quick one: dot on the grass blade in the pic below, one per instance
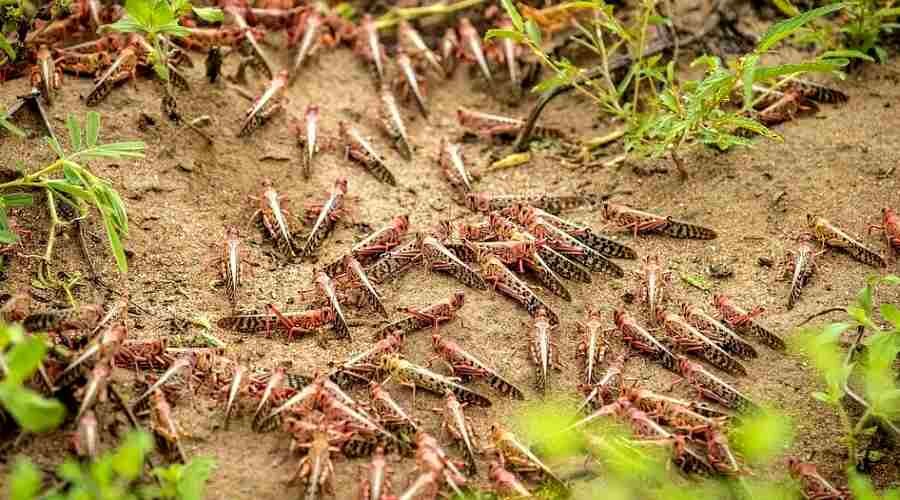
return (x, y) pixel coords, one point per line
(92, 124)
(74, 133)
(784, 29)
(115, 243)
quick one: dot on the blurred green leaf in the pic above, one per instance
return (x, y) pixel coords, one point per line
(542, 423)
(192, 482)
(124, 25)
(824, 66)
(8, 237)
(6, 47)
(784, 29)
(31, 411)
(210, 14)
(15, 200)
(75, 135)
(846, 54)
(749, 77)
(786, 7)
(513, 14)
(891, 279)
(92, 126)
(115, 243)
(12, 129)
(501, 33)
(891, 313)
(141, 11)
(24, 481)
(128, 459)
(24, 359)
(760, 438)
(534, 32)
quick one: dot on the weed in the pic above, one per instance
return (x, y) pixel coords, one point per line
(78, 189)
(115, 475)
(880, 390)
(20, 358)
(157, 19)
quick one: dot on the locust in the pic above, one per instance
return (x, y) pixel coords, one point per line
(371, 297)
(742, 321)
(433, 316)
(304, 322)
(817, 92)
(460, 427)
(122, 69)
(814, 485)
(523, 254)
(46, 76)
(415, 45)
(370, 47)
(472, 41)
(574, 249)
(434, 460)
(607, 387)
(543, 350)
(518, 456)
(250, 38)
(358, 149)
(232, 270)
(375, 483)
(86, 439)
(490, 125)
(409, 374)
(326, 287)
(163, 424)
(714, 388)
(451, 161)
(310, 141)
(502, 279)
(545, 256)
(830, 235)
(396, 262)
(392, 121)
(593, 346)
(801, 267)
(717, 332)
(639, 221)
(506, 483)
(253, 322)
(316, 468)
(390, 413)
(329, 213)
(376, 243)
(552, 203)
(411, 82)
(273, 217)
(465, 365)
(526, 215)
(362, 367)
(60, 320)
(890, 226)
(265, 106)
(233, 389)
(449, 46)
(95, 390)
(439, 258)
(671, 411)
(639, 339)
(653, 288)
(313, 22)
(688, 339)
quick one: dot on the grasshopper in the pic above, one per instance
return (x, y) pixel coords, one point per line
(433, 315)
(644, 222)
(465, 365)
(358, 149)
(439, 258)
(830, 235)
(543, 350)
(593, 346)
(392, 121)
(329, 213)
(688, 339)
(717, 332)
(414, 375)
(264, 107)
(743, 322)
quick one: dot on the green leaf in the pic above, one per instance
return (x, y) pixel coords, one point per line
(763, 436)
(821, 396)
(887, 12)
(847, 54)
(14, 200)
(163, 14)
(786, 7)
(513, 14)
(54, 145)
(210, 14)
(24, 359)
(70, 189)
(128, 460)
(824, 66)
(12, 129)
(891, 279)
(124, 25)
(8, 237)
(115, 243)
(534, 32)
(31, 411)
(92, 126)
(891, 313)
(7, 47)
(24, 481)
(864, 298)
(162, 71)
(141, 11)
(501, 33)
(192, 483)
(173, 28)
(749, 77)
(75, 135)
(784, 29)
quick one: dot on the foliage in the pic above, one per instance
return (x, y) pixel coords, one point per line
(20, 357)
(156, 19)
(115, 475)
(78, 188)
(880, 389)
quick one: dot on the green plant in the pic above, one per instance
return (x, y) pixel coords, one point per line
(78, 188)
(157, 19)
(20, 358)
(115, 475)
(880, 390)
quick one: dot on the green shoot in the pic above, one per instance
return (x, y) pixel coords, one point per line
(78, 187)
(157, 19)
(20, 358)
(880, 388)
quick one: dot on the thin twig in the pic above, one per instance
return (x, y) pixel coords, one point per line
(821, 313)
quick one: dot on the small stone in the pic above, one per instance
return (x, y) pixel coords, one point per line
(186, 165)
(764, 262)
(720, 270)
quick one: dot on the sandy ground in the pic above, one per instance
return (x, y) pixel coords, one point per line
(840, 163)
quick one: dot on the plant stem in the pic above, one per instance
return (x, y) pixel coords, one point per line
(54, 221)
(28, 179)
(849, 430)
(394, 17)
(639, 59)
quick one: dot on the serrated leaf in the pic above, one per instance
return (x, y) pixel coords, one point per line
(784, 29)
(92, 128)
(501, 33)
(24, 359)
(7, 47)
(31, 411)
(15, 200)
(162, 14)
(210, 14)
(534, 32)
(513, 14)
